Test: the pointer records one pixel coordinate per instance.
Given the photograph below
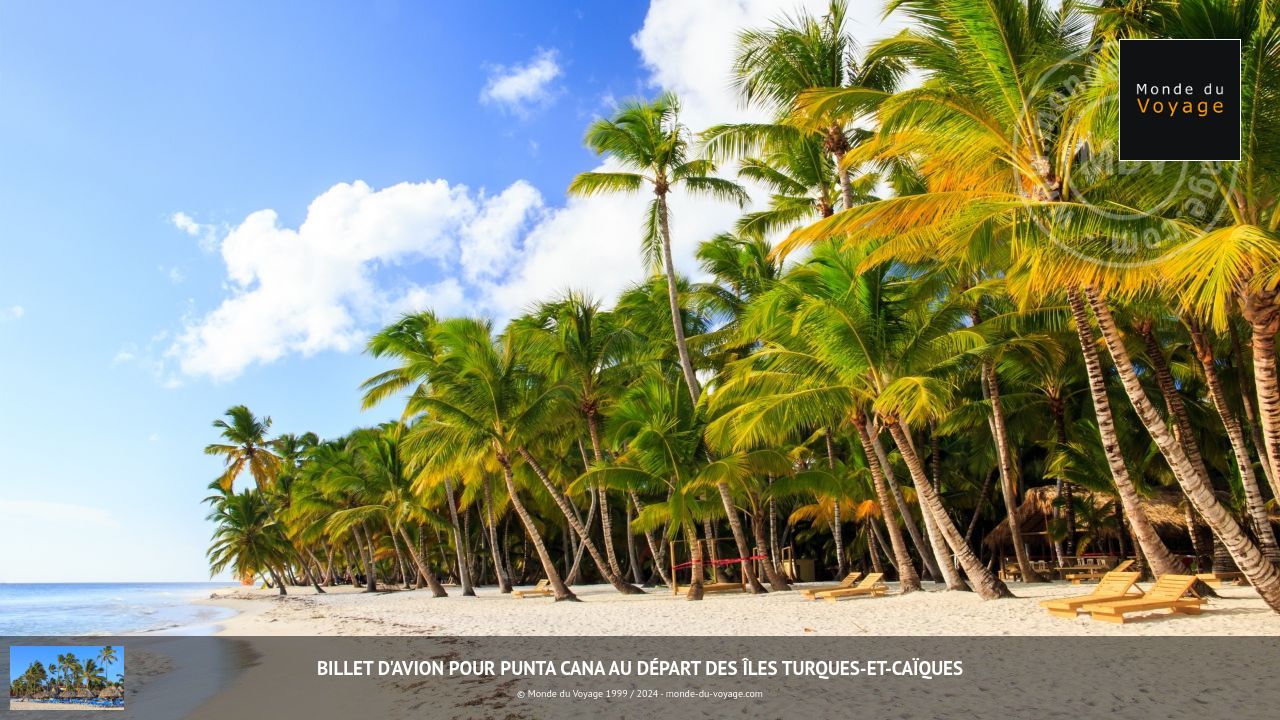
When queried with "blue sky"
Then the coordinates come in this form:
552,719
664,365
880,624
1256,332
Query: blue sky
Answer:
205,204
21,657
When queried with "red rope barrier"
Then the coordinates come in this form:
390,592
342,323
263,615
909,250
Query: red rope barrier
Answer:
721,561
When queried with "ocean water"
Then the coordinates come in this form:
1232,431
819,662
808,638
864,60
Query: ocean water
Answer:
106,608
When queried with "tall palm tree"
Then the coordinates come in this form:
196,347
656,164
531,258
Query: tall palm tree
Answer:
649,141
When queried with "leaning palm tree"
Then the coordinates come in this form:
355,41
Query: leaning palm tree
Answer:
484,400
246,539
576,344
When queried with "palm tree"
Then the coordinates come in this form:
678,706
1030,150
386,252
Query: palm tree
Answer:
797,54
246,447
648,140
246,539
577,345
106,655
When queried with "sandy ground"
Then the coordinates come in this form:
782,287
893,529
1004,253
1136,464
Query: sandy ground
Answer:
347,611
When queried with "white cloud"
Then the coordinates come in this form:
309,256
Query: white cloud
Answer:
319,286
13,312
206,235
523,87
325,284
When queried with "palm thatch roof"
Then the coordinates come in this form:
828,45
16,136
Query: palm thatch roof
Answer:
1164,510
110,693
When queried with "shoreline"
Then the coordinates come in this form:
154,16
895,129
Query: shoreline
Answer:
346,611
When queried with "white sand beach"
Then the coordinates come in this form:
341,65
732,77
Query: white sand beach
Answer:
603,611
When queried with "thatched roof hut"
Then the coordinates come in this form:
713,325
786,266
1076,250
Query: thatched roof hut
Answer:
1164,509
67,694
84,694
110,693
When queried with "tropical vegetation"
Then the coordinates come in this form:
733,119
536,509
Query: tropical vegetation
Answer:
942,300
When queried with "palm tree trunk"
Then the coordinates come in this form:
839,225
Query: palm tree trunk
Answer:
673,299
982,580
1263,315
695,554
656,548
613,578
606,522
1249,401
306,570
370,567
907,576
437,590
739,539
395,547
837,531
633,557
579,552
931,550
713,551
1153,548
499,569
459,542
1261,573
562,591
872,549
982,500
991,386
776,579
1254,501
1063,490
275,577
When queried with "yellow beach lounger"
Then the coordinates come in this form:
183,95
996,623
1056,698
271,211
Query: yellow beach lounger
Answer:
847,582
1079,577
1115,585
870,585
1169,593
542,589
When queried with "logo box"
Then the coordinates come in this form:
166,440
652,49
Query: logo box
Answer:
1179,100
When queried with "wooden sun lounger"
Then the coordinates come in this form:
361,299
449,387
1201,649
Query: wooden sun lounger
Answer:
1169,593
1114,586
542,589
870,586
1216,579
1079,577
739,586
847,582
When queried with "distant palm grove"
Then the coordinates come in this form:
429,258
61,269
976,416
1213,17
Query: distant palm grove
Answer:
948,301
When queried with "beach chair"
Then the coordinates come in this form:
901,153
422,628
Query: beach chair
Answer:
542,589
1115,585
1216,579
870,586
847,582
1079,577
1169,593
